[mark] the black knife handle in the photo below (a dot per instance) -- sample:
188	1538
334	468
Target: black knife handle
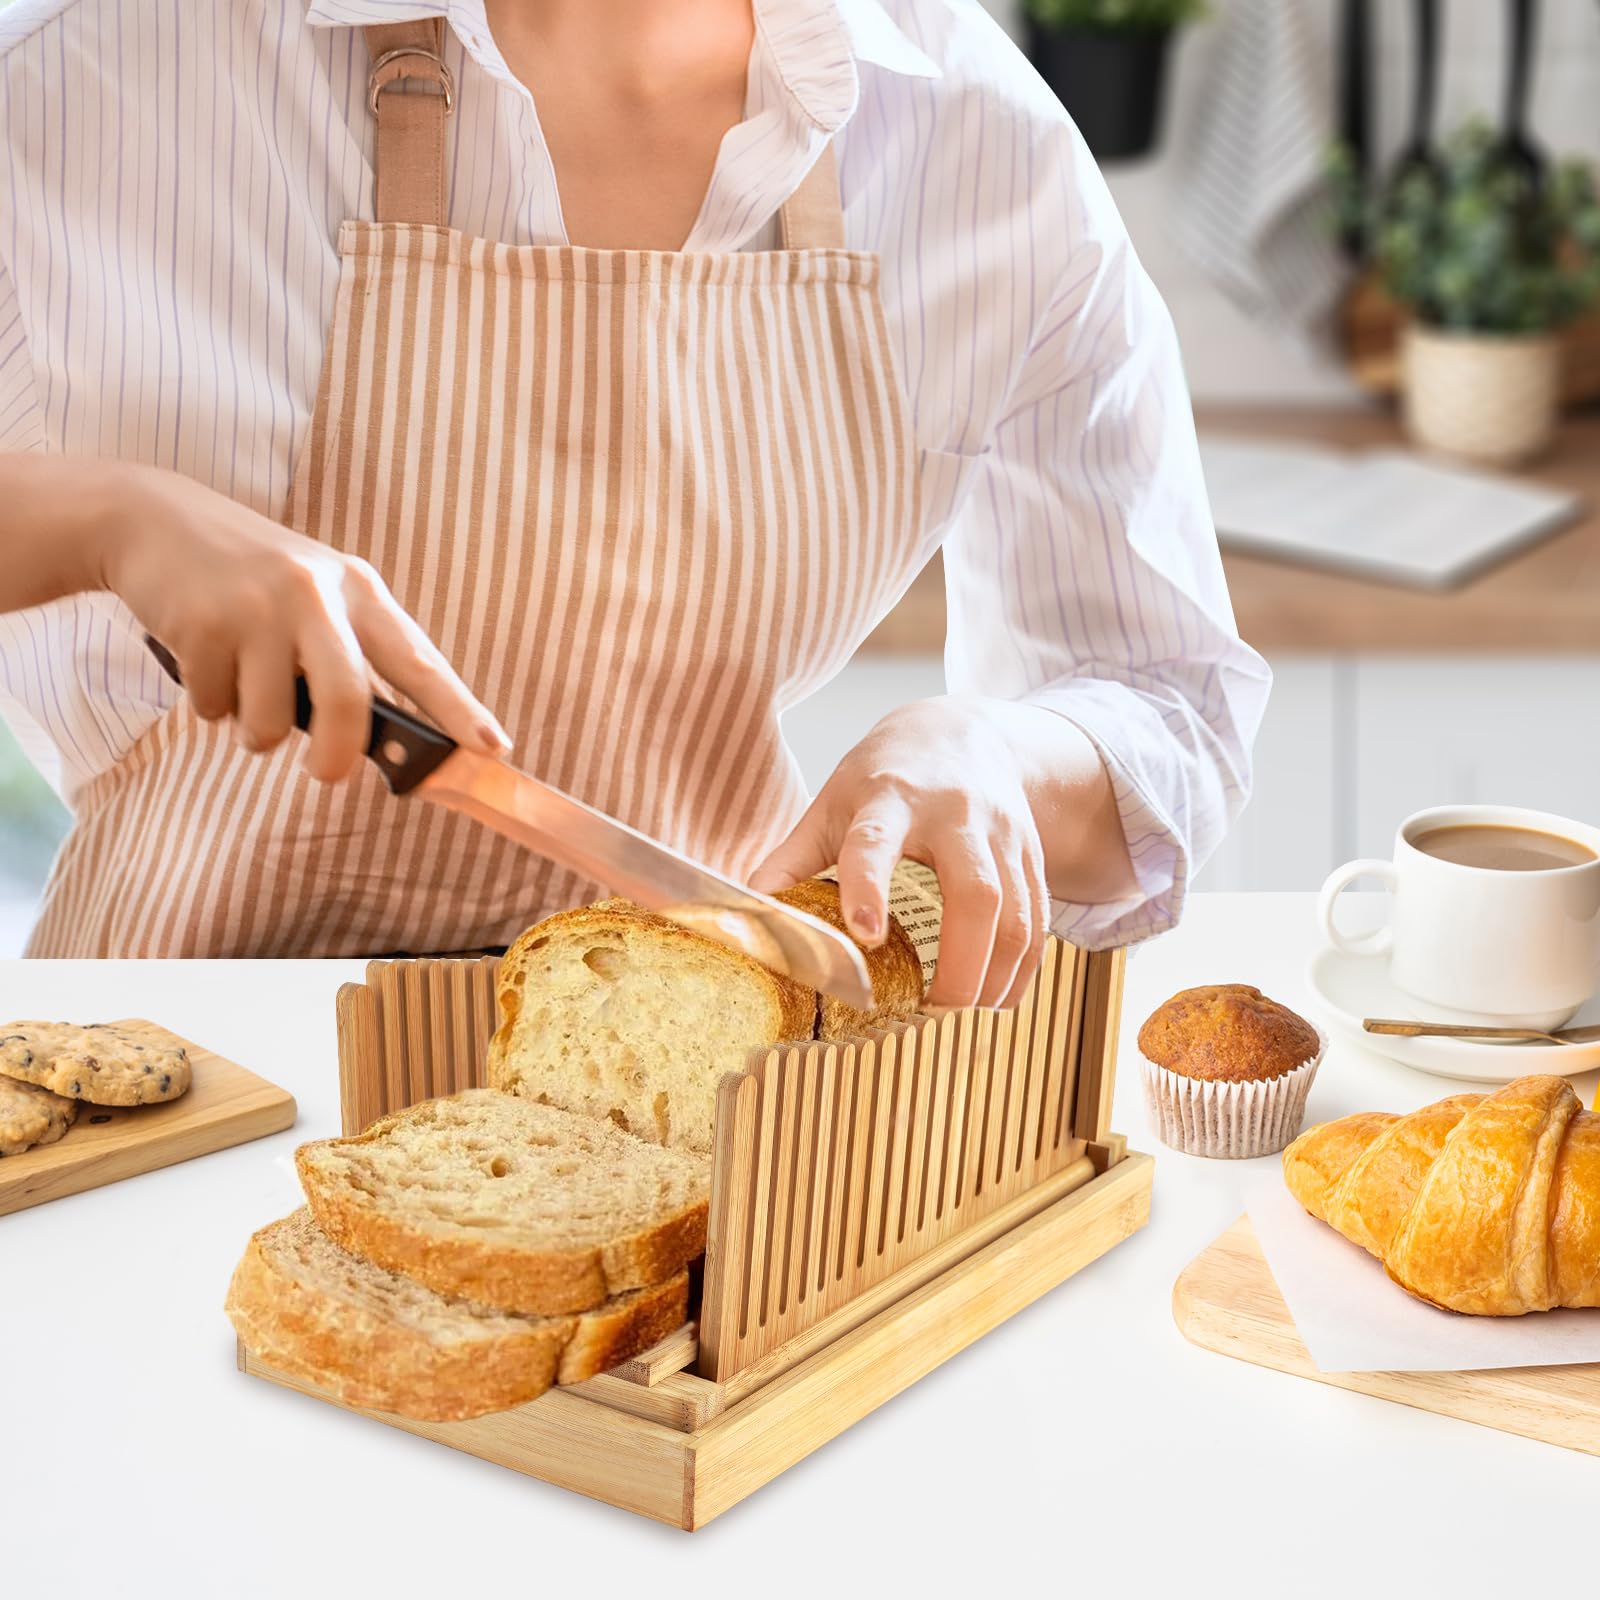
403	747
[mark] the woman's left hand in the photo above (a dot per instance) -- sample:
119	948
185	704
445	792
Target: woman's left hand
939	781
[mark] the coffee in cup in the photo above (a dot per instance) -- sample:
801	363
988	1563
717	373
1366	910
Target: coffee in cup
1496	915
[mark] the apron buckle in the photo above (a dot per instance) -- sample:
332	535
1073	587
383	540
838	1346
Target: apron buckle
410	61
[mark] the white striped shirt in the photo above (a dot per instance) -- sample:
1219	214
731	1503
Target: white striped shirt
174	180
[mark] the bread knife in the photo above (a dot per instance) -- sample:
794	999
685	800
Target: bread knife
417	759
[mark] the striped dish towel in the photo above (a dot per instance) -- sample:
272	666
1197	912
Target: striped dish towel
1253	208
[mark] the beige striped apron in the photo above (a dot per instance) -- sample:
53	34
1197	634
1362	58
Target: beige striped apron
642	500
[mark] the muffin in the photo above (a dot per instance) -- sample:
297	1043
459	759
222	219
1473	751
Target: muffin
1226	1071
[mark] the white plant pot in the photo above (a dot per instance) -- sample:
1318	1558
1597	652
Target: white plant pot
1486	397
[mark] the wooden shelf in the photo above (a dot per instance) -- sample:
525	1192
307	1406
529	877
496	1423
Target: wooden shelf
1545	601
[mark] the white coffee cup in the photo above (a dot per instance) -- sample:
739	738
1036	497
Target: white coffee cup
1482	944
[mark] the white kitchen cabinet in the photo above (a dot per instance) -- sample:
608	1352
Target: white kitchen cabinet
1352	745
841	713
1288	832
1287	836
1349	746
1473	729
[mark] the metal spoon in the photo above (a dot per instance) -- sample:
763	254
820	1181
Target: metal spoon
1472	1030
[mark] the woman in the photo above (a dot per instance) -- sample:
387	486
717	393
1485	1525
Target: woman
614	366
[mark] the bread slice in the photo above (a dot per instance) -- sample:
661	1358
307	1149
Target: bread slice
514	1205
376	1339
616	1012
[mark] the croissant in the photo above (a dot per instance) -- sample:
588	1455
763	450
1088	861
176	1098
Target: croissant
1482	1203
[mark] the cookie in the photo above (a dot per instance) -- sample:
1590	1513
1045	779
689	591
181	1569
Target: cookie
30	1115
108	1064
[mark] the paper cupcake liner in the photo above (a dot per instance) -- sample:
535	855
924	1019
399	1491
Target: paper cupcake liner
1234	1121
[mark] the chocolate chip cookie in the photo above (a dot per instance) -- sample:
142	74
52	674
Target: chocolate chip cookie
30	1115
106	1063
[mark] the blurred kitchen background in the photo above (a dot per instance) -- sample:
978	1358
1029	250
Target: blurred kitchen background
1396	372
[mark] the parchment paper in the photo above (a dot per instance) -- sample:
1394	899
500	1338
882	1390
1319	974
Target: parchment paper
1353	1318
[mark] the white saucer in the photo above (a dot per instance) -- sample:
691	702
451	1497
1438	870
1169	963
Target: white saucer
1353	987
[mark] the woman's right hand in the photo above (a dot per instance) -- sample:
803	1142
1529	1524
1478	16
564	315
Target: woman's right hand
245	604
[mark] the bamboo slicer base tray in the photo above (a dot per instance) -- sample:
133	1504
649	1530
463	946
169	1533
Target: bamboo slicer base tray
1226	1300
876	1205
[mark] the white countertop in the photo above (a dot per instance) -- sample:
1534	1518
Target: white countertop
1082	1442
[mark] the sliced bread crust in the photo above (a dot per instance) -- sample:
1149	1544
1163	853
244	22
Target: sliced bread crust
377	1340
894	966
508	1203
616	1012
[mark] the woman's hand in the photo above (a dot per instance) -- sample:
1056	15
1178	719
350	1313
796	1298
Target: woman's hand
245	605
936	781
965	785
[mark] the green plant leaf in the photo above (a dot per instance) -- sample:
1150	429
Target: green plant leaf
1473	243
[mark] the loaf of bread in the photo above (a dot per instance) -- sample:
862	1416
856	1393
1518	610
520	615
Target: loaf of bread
620	1014
508	1203
376	1339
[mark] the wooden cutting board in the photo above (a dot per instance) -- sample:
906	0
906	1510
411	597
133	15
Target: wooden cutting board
225	1106
1226	1300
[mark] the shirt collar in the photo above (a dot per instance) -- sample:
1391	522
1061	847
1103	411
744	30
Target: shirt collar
877	39
373	13
466	18
814	47
804	85
814	44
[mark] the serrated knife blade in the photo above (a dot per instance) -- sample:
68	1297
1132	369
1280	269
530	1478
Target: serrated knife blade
566	830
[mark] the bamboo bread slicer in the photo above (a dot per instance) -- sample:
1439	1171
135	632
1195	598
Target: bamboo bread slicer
876	1205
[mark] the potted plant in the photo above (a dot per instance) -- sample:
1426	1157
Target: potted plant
1490	260
1107	62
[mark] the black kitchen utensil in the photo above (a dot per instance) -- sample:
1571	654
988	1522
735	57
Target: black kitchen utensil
1355	129
402	747
1417	157
1517	149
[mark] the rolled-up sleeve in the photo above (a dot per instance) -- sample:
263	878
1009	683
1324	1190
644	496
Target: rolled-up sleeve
1083	575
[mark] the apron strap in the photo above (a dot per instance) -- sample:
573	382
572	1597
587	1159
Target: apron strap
812	218
410	155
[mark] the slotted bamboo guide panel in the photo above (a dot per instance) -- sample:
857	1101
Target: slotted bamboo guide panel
844	1173
415	1029
877	1203
837	1166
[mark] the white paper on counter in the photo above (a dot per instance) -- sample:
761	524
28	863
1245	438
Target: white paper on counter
1352	1317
